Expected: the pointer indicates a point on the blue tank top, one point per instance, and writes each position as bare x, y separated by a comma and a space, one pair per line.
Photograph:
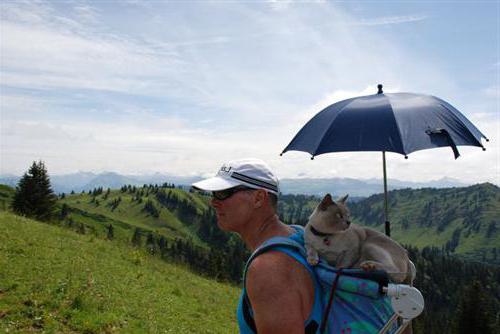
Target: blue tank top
246, 321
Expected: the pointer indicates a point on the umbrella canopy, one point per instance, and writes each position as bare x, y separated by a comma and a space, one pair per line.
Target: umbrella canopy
398, 122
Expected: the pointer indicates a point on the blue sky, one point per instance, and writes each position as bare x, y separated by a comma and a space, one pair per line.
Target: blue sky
180, 87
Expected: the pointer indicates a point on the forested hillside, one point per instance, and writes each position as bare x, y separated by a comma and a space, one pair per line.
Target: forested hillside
168, 221
460, 296
464, 221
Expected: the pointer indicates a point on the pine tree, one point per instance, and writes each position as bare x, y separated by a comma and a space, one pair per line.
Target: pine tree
34, 196
64, 211
150, 243
150, 208
474, 311
136, 238
111, 233
162, 243
80, 228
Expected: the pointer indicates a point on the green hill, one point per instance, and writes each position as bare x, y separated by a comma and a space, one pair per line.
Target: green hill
177, 224
463, 221
127, 208
57, 281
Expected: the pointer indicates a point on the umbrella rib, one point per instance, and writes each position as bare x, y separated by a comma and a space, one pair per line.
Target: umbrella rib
459, 119
397, 127
330, 125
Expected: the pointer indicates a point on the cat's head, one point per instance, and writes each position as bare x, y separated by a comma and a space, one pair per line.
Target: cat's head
331, 216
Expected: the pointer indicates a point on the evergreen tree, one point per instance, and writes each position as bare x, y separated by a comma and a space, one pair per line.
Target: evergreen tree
64, 211
162, 243
474, 311
150, 243
111, 233
70, 222
81, 228
34, 196
150, 208
136, 238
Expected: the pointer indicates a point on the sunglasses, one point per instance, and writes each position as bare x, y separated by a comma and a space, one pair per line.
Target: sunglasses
225, 194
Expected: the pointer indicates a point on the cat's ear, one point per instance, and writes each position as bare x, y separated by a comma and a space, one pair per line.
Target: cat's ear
326, 202
343, 199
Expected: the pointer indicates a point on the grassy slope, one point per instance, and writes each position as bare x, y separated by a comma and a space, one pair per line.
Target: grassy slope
130, 213
469, 242
6, 195
458, 200
59, 281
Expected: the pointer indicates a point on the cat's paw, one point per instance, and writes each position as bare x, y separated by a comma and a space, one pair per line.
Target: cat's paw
368, 266
312, 260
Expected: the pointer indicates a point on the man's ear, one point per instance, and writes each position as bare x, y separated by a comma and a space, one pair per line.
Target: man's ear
260, 198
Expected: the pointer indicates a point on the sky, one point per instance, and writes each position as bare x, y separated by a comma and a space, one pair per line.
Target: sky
180, 87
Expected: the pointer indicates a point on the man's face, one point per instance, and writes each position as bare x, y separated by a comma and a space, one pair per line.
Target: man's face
235, 211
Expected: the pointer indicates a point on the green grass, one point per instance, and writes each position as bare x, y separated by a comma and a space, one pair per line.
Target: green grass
54, 280
6, 195
131, 213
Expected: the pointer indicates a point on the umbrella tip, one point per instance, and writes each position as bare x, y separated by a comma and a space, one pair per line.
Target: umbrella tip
484, 148
312, 157
406, 157
281, 154
380, 91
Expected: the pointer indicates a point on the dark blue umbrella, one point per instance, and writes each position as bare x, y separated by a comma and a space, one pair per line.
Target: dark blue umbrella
397, 122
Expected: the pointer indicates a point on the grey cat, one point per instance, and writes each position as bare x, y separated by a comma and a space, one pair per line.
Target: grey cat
330, 234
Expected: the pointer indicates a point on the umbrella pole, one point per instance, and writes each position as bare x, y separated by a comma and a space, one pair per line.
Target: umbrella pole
386, 210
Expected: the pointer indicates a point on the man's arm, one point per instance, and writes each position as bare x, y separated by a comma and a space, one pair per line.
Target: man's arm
281, 293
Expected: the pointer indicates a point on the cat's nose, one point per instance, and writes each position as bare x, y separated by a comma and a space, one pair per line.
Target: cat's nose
348, 222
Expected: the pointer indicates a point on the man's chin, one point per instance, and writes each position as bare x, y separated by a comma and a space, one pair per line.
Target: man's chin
221, 225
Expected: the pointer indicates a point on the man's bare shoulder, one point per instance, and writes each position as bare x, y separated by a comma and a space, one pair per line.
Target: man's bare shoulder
275, 270
272, 261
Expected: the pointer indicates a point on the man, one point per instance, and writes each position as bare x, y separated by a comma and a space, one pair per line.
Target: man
279, 296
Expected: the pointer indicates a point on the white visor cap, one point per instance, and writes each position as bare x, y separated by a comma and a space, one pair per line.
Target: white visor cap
252, 173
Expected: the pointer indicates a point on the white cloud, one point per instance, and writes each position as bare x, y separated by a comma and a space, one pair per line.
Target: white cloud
492, 91
48, 59
387, 20
279, 5
87, 13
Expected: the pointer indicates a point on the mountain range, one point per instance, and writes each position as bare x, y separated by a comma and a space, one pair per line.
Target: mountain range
84, 181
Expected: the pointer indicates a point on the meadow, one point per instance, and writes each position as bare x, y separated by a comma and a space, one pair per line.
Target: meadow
54, 280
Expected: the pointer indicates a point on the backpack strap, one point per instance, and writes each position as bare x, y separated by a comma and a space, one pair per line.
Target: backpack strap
269, 245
